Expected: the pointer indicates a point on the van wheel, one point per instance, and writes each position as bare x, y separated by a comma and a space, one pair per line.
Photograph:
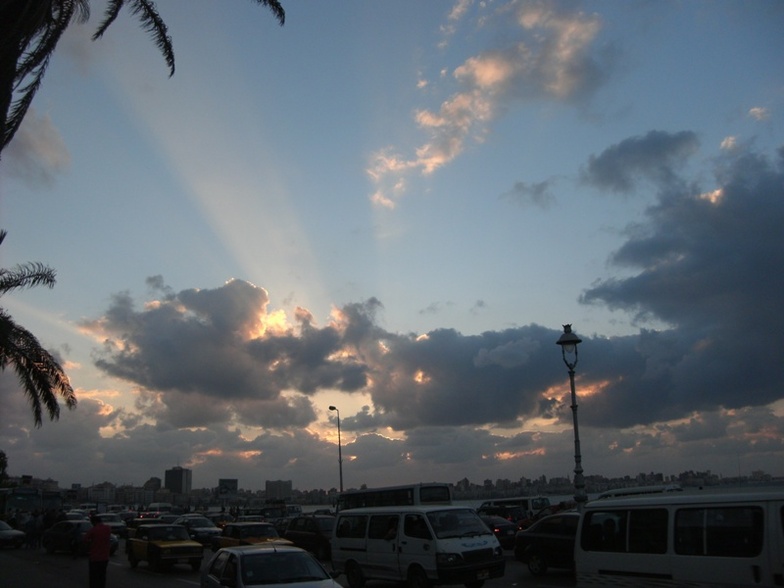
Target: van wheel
536, 564
417, 578
354, 575
132, 560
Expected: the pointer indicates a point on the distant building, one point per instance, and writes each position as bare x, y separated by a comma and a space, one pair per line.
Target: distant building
153, 484
228, 486
278, 489
178, 480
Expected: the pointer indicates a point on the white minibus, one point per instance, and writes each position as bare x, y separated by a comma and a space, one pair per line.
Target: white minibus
406, 495
420, 545
699, 539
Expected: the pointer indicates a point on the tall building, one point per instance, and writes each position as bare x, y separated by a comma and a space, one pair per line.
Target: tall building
278, 489
178, 480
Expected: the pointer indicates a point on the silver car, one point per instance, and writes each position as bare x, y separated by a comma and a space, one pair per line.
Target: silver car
283, 566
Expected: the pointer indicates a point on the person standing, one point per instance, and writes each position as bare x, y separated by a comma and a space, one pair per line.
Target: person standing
98, 540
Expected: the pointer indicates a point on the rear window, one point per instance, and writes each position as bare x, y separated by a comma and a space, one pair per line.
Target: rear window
721, 531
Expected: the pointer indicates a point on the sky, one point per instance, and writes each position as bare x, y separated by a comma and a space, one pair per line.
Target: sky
392, 208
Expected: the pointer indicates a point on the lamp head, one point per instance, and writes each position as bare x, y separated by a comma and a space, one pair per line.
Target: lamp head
333, 408
569, 342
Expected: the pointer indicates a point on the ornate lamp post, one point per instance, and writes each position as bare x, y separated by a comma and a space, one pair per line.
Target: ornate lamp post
340, 451
568, 342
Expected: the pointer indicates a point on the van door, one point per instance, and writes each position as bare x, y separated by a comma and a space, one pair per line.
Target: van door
417, 546
382, 547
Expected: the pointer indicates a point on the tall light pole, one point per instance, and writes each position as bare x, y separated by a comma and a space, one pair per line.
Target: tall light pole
340, 451
569, 342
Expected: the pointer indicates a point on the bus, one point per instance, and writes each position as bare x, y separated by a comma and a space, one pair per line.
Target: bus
425, 494
640, 490
520, 508
701, 540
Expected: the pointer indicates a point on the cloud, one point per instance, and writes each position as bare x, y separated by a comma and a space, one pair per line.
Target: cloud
706, 264
550, 56
655, 157
37, 154
759, 113
538, 194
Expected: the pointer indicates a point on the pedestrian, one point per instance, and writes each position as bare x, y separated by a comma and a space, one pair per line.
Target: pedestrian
98, 540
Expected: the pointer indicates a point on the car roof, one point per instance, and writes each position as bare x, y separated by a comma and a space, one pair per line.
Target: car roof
401, 509
249, 524
262, 548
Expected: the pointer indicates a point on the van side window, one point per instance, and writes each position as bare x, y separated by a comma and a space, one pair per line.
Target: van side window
604, 531
383, 527
735, 531
648, 530
416, 527
352, 526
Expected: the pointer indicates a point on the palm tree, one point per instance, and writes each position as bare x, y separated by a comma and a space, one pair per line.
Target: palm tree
31, 29
41, 376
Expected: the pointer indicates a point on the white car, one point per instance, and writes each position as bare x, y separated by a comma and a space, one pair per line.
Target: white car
283, 566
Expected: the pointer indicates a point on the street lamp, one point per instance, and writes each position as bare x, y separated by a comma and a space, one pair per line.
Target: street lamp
569, 342
340, 451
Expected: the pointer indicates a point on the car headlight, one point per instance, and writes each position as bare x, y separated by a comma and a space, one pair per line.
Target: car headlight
448, 559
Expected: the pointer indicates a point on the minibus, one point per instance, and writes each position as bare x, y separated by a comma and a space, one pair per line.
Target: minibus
421, 545
695, 539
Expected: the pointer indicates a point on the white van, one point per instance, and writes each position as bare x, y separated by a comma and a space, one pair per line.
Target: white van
418, 544
696, 539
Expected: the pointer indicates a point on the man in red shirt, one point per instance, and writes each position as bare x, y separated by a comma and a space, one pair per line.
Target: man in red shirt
98, 541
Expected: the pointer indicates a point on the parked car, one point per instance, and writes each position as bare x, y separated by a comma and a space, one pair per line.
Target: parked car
69, 536
312, 532
548, 543
10, 537
220, 519
546, 511
249, 533
115, 523
163, 546
274, 566
503, 529
199, 527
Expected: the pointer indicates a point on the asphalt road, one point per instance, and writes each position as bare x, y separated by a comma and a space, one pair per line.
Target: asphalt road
32, 568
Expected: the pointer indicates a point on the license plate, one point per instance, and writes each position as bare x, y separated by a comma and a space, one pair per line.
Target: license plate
483, 575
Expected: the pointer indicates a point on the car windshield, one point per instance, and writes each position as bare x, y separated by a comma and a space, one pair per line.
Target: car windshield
5, 526
110, 518
168, 533
281, 568
462, 522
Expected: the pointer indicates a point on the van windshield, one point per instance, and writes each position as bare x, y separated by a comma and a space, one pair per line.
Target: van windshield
462, 522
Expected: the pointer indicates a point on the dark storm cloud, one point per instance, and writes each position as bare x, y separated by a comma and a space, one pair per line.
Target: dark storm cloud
200, 345
708, 264
655, 157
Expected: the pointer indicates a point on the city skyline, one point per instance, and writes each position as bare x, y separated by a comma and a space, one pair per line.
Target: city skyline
393, 209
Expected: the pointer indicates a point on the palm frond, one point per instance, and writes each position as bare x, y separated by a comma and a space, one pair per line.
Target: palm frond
276, 9
151, 22
27, 275
39, 373
36, 39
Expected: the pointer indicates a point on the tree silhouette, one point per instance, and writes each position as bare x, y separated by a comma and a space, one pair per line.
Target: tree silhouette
31, 29
39, 373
